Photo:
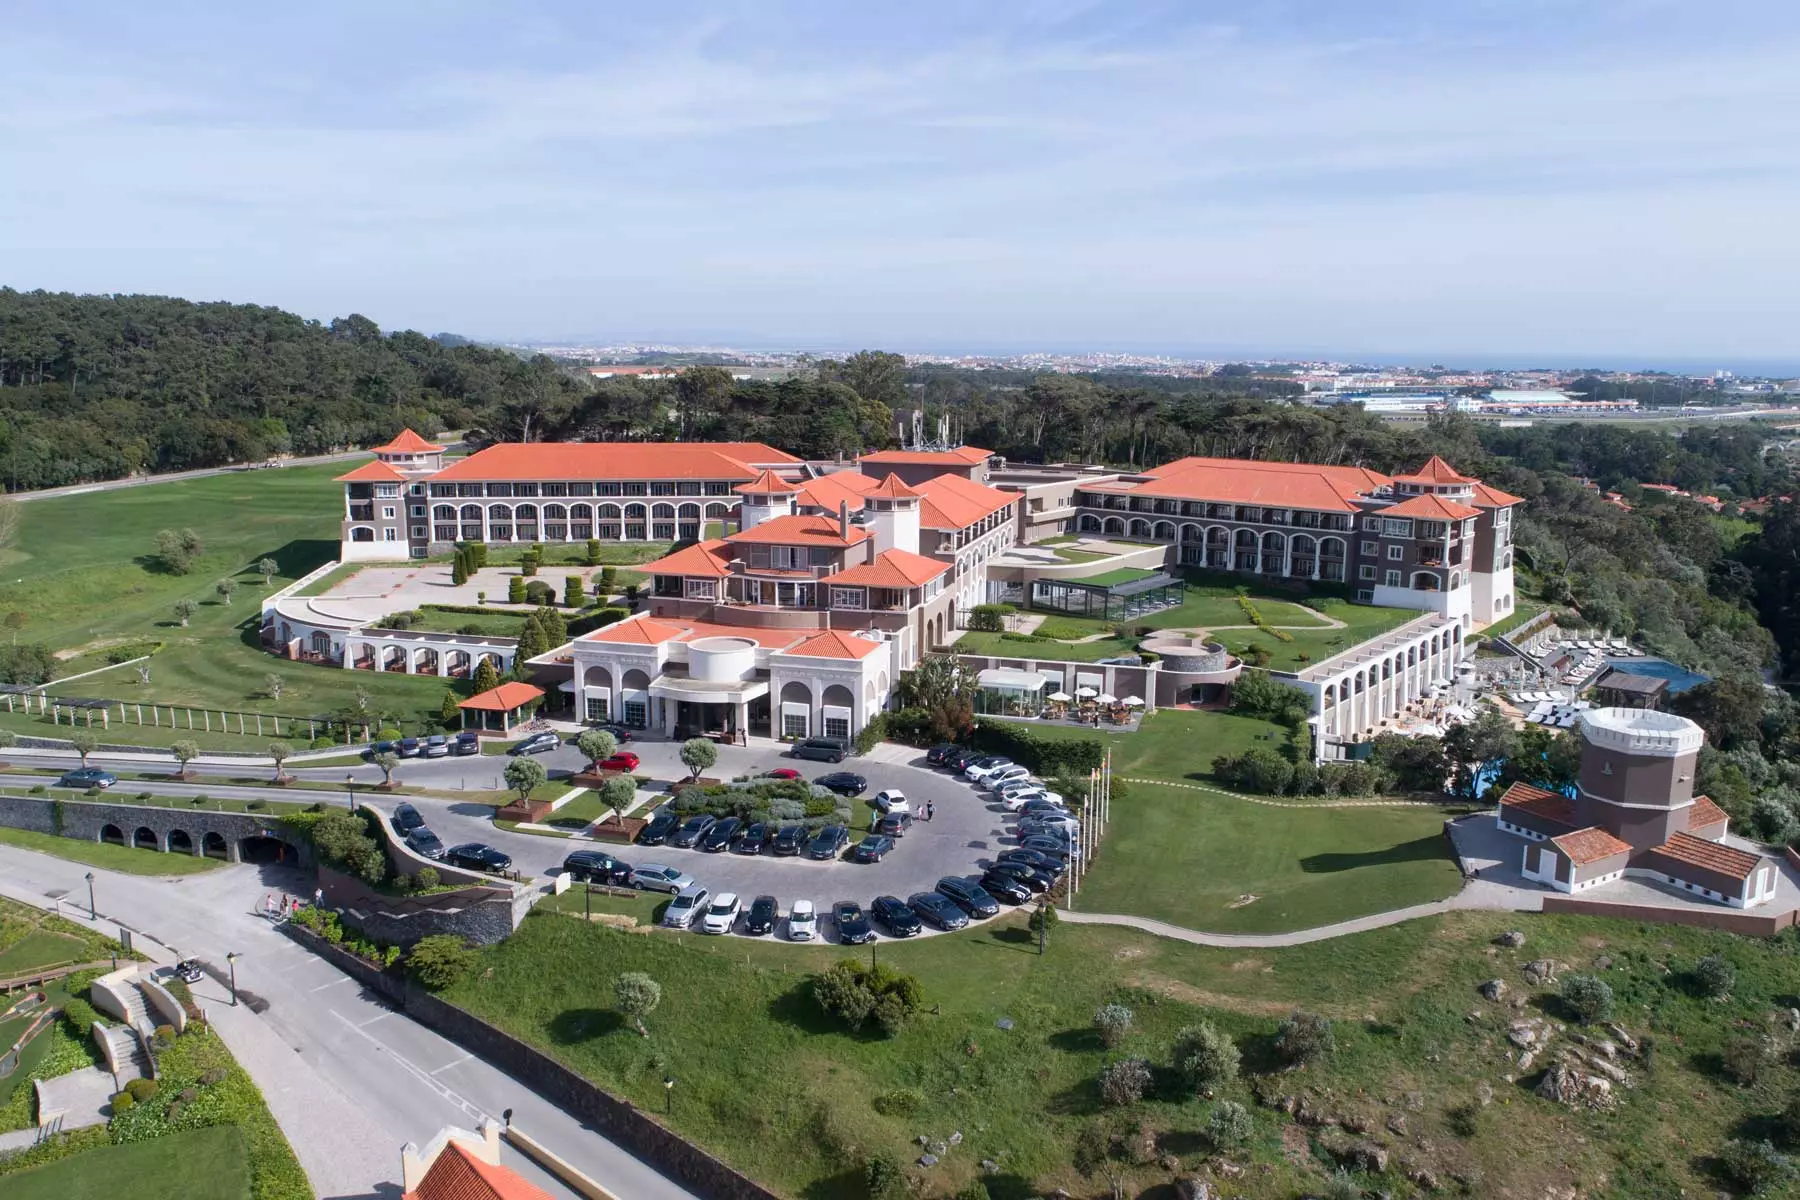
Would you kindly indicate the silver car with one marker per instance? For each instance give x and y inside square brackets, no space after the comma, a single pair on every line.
[654,877]
[688,903]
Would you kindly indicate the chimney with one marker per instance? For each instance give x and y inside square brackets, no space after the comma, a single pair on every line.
[844,519]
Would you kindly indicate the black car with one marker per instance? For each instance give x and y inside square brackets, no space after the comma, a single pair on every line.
[467,742]
[660,827]
[853,928]
[844,783]
[406,818]
[962,758]
[830,843]
[755,837]
[1003,886]
[899,920]
[823,749]
[788,841]
[894,824]
[596,866]
[940,754]
[692,830]
[969,896]
[1033,878]
[761,917]
[425,843]
[938,911]
[1049,865]
[477,857]
[621,733]
[719,834]
[1051,847]
[872,849]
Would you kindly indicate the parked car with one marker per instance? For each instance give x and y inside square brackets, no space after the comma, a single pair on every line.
[894,824]
[891,800]
[939,754]
[596,866]
[899,920]
[1003,886]
[781,773]
[829,843]
[753,840]
[1015,799]
[425,843]
[654,877]
[477,856]
[980,771]
[764,912]
[968,895]
[621,733]
[1047,827]
[376,748]
[467,742]
[844,783]
[937,910]
[661,825]
[688,903]
[624,761]
[1013,773]
[982,762]
[721,915]
[872,849]
[1032,858]
[1057,848]
[824,749]
[406,818]
[1044,805]
[190,970]
[437,746]
[691,831]
[410,747]
[718,835]
[789,840]
[1035,878]
[537,743]
[852,926]
[803,922]
[962,758]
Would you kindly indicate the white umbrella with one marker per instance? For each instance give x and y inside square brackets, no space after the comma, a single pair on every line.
[1133,702]
[1084,691]
[1059,697]
[1107,698]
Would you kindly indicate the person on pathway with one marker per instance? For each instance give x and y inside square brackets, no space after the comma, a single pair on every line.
[928,810]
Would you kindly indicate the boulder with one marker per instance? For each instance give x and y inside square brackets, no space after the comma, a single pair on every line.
[1192,1187]
[1626,1042]
[1423,1179]
[1396,1124]
[1512,939]
[1540,971]
[1567,1083]
[1494,990]
[1366,1156]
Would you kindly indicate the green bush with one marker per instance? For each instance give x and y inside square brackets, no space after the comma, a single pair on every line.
[141,1090]
[598,619]
[1714,977]
[1304,1038]
[856,993]
[1756,1167]
[1588,998]
[440,960]
[1229,1125]
[989,618]
[1124,1083]
[883,1178]
[903,1102]
[1205,1058]
[515,589]
[1045,756]
[80,1015]
[1114,1023]
[122,1102]
[873,734]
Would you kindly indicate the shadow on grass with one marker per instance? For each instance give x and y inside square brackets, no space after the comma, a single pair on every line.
[1077,1041]
[796,1007]
[1009,1186]
[845,1185]
[575,1025]
[1013,938]
[1418,850]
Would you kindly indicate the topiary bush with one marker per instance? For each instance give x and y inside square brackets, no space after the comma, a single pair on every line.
[122,1102]
[141,1090]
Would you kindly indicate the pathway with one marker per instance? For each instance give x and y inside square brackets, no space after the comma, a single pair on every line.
[111,485]
[1200,787]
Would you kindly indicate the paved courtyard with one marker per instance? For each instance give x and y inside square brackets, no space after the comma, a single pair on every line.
[375,591]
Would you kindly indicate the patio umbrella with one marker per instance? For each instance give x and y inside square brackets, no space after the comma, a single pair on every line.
[1060,697]
[1133,702]
[1107,698]
[1085,691]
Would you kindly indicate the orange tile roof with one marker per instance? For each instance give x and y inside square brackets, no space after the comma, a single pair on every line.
[800,530]
[892,488]
[373,471]
[891,569]
[768,483]
[408,442]
[834,644]
[615,460]
[458,1175]
[702,558]
[1493,497]
[1546,806]
[1710,856]
[952,502]
[1349,481]
[504,698]
[1431,507]
[828,492]
[1589,845]
[636,631]
[962,456]
[1435,470]
[1236,484]
[1705,813]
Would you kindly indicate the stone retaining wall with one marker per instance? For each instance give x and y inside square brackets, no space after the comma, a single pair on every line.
[86,819]
[1727,919]
[481,913]
[619,1121]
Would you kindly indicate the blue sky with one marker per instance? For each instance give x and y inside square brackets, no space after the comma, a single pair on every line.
[1557,177]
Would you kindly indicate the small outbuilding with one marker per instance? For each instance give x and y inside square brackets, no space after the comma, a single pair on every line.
[1622,689]
[497,710]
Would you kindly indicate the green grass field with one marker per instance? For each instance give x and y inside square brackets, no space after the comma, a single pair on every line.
[41,948]
[998,646]
[201,1164]
[126,859]
[493,624]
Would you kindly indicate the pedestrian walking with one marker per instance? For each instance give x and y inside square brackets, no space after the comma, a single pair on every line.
[928,810]
[319,897]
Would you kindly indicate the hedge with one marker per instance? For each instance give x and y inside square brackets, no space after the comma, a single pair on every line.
[597,620]
[1045,756]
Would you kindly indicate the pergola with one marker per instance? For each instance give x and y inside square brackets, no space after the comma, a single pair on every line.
[497,710]
[1122,593]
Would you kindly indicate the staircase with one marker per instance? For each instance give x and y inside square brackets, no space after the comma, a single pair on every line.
[124,1054]
[137,1009]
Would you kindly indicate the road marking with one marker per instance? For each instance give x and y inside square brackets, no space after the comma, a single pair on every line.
[365,1024]
[333,983]
[474,1111]
[457,1062]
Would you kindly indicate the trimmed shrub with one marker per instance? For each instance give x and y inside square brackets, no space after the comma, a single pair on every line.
[598,619]
[122,1102]
[1042,755]
[989,618]
[515,589]
[141,1090]
[539,592]
[80,1015]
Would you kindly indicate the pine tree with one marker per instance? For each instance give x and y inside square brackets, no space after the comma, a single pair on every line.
[532,641]
[448,712]
[459,569]
[487,677]
[555,627]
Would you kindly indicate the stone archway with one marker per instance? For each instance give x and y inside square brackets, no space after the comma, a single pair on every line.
[145,839]
[180,842]
[112,834]
[212,845]
[796,709]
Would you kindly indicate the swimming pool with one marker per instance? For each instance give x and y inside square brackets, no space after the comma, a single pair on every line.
[1680,678]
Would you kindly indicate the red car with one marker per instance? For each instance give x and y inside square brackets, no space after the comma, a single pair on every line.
[624,760]
[782,773]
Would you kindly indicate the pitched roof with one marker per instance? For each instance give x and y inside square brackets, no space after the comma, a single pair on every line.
[962,456]
[1590,845]
[504,698]
[615,460]
[831,491]
[1435,470]
[408,442]
[1432,508]
[1493,497]
[952,502]
[894,489]
[1705,813]
[767,483]
[701,558]
[891,569]
[1710,856]
[456,1174]
[800,530]
[373,471]
[1546,806]
[1350,481]
[832,643]
[1283,485]
[636,631]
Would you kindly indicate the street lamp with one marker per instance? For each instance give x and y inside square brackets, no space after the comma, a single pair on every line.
[92,915]
[668,1095]
[350,783]
[231,958]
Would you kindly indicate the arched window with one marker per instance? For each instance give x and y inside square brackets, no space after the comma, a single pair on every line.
[500,512]
[471,512]
[526,512]
[555,512]
[444,512]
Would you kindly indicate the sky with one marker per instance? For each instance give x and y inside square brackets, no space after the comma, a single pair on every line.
[1569,179]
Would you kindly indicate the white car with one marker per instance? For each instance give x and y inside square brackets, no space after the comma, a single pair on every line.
[982,774]
[688,903]
[1005,775]
[891,801]
[1016,798]
[803,922]
[654,877]
[722,915]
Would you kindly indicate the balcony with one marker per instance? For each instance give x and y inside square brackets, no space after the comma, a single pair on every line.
[740,567]
[362,512]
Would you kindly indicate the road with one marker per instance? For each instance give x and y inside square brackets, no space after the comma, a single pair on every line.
[349,1079]
[112,485]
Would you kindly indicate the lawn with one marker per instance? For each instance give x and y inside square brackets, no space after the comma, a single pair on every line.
[1004,1053]
[578,813]
[436,619]
[125,859]
[1523,611]
[21,924]
[200,1164]
[38,949]
[999,646]
[1176,744]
